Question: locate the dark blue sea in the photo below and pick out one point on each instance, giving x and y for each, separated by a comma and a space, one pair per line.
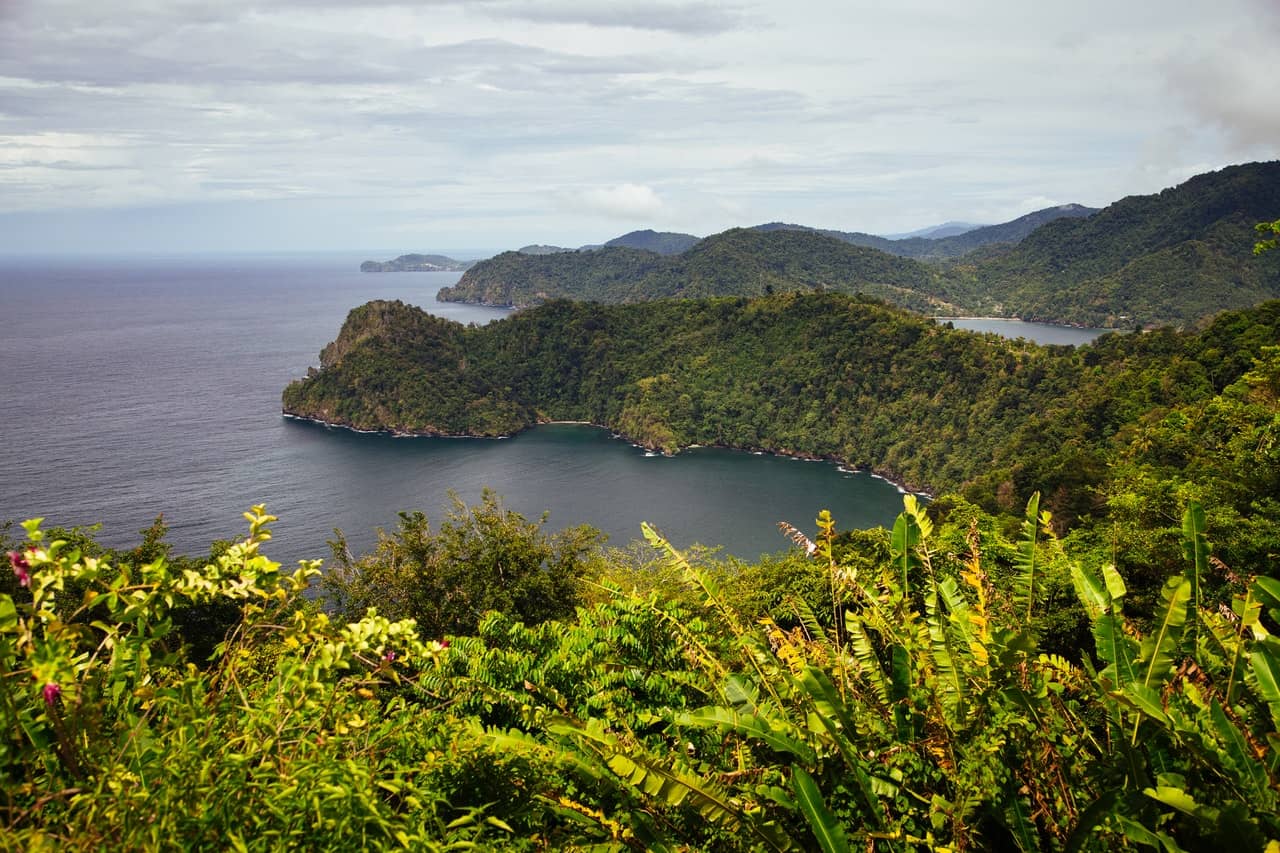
134, 387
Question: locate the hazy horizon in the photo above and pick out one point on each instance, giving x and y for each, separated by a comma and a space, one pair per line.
441, 126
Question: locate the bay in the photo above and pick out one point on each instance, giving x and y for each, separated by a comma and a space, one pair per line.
1040, 333
131, 387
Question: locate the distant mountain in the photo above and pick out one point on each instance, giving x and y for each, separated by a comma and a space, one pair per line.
417, 263
1012, 231
856, 238
936, 232
741, 261
1172, 257
662, 242
542, 249
927, 248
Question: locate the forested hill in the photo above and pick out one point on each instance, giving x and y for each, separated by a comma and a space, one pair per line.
741, 261
952, 246
819, 375
1172, 257
662, 242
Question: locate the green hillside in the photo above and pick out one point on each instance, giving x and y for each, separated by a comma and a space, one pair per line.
662, 242
1175, 257
1171, 257
819, 375
737, 262
950, 246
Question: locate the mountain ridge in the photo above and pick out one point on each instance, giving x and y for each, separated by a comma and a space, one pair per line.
1172, 257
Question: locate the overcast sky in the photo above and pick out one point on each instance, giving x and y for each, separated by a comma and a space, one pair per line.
212, 125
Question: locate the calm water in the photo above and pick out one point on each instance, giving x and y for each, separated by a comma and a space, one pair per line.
1041, 333
131, 388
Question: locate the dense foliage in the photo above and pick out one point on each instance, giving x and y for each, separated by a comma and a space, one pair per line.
1171, 258
741, 261
824, 375
910, 699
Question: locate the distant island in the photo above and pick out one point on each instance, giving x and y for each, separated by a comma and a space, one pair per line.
417, 263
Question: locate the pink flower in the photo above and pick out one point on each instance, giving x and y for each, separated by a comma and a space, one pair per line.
444, 643
21, 568
51, 693
389, 657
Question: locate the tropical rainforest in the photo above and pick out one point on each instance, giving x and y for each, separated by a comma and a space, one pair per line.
1167, 259
1073, 645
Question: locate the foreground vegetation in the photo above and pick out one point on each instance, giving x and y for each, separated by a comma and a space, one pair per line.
942, 685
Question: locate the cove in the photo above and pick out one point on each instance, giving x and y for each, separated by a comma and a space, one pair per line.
135, 387
582, 474
1040, 333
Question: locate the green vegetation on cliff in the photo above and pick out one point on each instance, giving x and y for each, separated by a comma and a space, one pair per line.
820, 375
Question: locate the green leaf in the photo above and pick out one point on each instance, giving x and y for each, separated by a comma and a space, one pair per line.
1195, 547
905, 537
1140, 834
1251, 773
1024, 582
1160, 647
1146, 700
8, 615
1266, 669
865, 653
950, 677
1182, 801
1115, 584
1115, 648
778, 735
1267, 590
1092, 594
826, 829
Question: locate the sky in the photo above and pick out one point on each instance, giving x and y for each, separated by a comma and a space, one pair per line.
439, 126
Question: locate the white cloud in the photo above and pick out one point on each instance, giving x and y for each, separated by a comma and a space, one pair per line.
624, 201
517, 118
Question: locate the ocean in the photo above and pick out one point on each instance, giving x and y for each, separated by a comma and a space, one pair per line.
132, 387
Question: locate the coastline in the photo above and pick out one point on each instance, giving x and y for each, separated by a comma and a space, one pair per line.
842, 465
938, 318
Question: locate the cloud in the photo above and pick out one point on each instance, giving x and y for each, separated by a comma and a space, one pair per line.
624, 201
695, 18
1228, 92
